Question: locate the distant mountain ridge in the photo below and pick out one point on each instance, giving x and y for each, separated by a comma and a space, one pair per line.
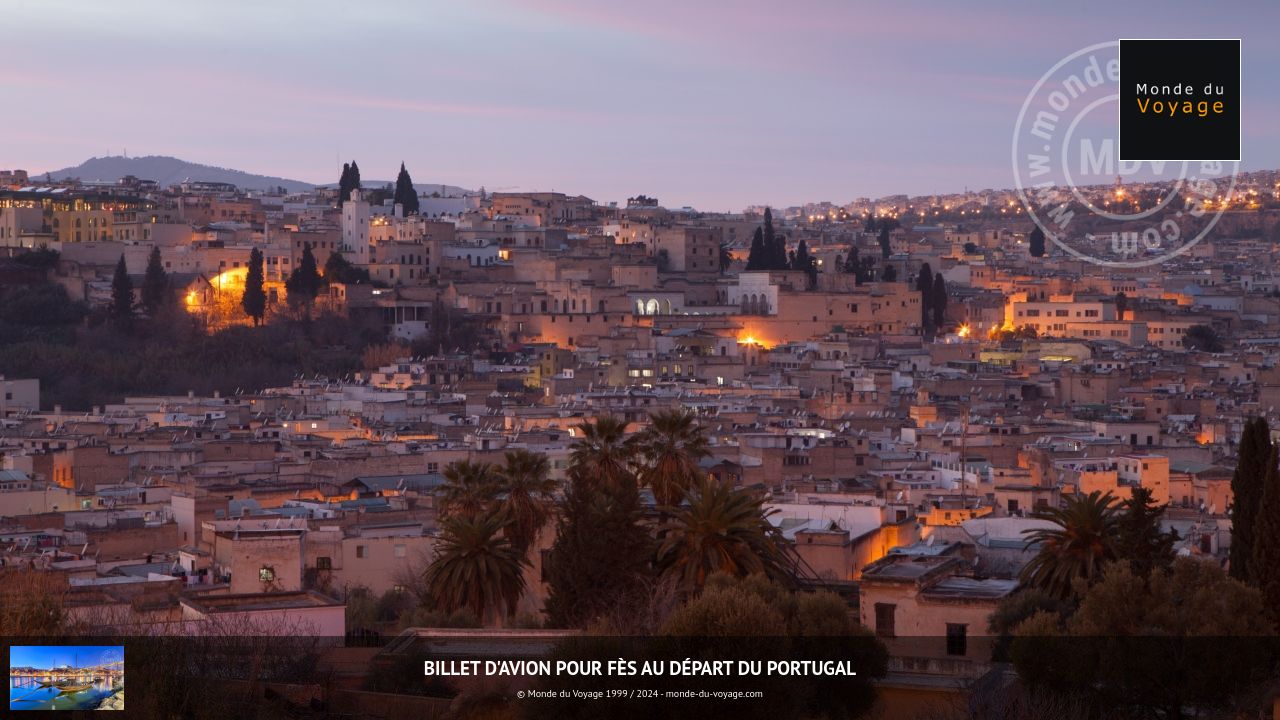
166, 171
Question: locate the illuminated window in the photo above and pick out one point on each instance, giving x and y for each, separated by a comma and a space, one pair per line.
267, 574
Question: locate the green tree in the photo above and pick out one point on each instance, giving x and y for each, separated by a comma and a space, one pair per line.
601, 454
1083, 541
344, 183
254, 299
726, 258
728, 610
602, 555
469, 488
774, 245
970, 249
1186, 638
1246, 489
476, 567
526, 495
720, 529
1202, 337
671, 448
406, 196
756, 258
349, 181
40, 257
121, 307
155, 284
890, 273
938, 300
1266, 541
304, 283
755, 618
886, 249
1016, 609
924, 285
337, 269
1035, 242
1139, 539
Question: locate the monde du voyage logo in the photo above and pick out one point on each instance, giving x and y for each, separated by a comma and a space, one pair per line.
1180, 100
1124, 151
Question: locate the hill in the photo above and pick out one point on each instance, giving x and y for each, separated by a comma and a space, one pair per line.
168, 171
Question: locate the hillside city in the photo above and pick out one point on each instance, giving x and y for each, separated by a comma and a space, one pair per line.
383, 417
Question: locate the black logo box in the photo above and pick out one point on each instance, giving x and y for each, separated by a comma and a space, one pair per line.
1187, 65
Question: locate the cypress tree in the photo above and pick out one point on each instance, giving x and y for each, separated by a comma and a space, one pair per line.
254, 300
756, 259
781, 258
924, 280
355, 176
349, 181
304, 282
802, 259
1265, 564
344, 183
924, 285
939, 300
155, 284
1246, 488
775, 248
889, 274
405, 195
1140, 540
121, 307
885, 249
1036, 242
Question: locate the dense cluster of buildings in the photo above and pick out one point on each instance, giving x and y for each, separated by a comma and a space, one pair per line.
905, 460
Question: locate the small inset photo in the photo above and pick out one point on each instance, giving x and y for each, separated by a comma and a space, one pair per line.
66, 677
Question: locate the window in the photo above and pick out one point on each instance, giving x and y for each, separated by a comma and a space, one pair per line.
360, 551
957, 639
884, 619
267, 574
399, 551
324, 563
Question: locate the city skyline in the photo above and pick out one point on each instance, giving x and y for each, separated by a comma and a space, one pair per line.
682, 102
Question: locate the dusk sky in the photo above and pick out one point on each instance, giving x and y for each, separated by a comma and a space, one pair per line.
712, 104
50, 656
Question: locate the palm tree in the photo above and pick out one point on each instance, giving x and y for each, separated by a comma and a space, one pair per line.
671, 447
526, 495
1083, 541
469, 488
602, 454
720, 529
476, 566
